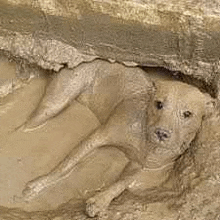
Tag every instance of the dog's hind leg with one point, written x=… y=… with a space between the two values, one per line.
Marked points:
x=64 y=87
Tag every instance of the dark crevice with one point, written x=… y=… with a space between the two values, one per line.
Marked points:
x=203 y=86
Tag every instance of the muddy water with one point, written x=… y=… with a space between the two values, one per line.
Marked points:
x=26 y=155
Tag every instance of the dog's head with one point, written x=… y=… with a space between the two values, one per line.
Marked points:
x=175 y=116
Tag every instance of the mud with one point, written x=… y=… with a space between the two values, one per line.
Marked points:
x=27 y=155
x=23 y=156
x=180 y=36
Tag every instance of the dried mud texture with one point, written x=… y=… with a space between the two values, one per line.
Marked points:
x=179 y=35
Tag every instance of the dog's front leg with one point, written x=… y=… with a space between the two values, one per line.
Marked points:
x=63 y=169
x=135 y=179
x=100 y=202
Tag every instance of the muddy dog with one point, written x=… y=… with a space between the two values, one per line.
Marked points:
x=152 y=121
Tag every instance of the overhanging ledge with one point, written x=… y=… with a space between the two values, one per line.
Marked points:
x=182 y=36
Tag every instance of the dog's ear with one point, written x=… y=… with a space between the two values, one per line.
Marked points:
x=154 y=88
x=210 y=105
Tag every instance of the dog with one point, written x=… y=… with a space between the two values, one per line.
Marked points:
x=152 y=120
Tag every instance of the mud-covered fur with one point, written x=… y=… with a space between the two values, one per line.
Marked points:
x=152 y=121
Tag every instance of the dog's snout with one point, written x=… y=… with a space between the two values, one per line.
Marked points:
x=162 y=134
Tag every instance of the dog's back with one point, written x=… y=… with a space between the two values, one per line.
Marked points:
x=114 y=83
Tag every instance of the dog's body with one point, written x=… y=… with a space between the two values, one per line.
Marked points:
x=152 y=127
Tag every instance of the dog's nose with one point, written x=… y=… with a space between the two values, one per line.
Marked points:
x=162 y=134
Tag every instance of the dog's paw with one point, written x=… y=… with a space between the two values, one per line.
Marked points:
x=97 y=205
x=33 y=188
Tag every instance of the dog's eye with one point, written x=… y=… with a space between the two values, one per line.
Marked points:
x=159 y=105
x=187 y=114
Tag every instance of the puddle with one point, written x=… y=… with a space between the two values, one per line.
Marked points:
x=26 y=155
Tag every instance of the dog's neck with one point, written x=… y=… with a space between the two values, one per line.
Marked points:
x=159 y=157
x=157 y=161
x=150 y=167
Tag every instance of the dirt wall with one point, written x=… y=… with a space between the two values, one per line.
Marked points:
x=181 y=36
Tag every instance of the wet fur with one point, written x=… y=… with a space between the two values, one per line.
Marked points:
x=124 y=100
